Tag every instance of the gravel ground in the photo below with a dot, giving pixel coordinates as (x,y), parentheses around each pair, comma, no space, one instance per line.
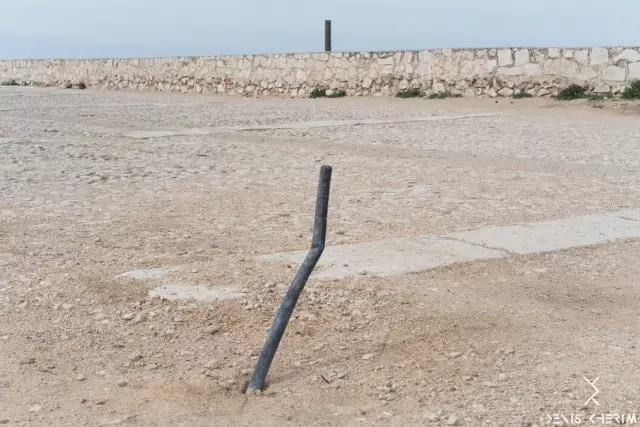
(501,342)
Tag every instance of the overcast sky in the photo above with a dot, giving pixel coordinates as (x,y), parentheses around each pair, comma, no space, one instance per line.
(121,28)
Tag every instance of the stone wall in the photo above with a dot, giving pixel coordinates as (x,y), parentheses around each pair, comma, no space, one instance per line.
(470,72)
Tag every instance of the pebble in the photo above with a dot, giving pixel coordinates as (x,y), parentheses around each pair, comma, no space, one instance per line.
(28,361)
(502,377)
(455,355)
(490,384)
(122,383)
(362,272)
(137,319)
(513,399)
(81,377)
(213,364)
(135,357)
(368,356)
(128,316)
(35,408)
(4,421)
(452,420)
(212,329)
(67,306)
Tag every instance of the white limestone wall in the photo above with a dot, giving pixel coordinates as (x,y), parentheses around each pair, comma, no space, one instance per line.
(470,72)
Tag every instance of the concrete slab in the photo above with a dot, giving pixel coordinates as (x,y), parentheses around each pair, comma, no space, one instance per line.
(181,291)
(630,214)
(554,235)
(390,256)
(341,123)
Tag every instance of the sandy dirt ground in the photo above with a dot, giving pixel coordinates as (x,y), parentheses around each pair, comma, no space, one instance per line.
(506,342)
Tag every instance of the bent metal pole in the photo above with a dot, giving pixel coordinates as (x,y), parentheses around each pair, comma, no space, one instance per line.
(291,298)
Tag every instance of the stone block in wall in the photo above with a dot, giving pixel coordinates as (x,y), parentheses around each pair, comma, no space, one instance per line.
(466,68)
(634,70)
(521,57)
(321,56)
(532,70)
(630,55)
(615,74)
(599,55)
(510,71)
(424,56)
(587,73)
(386,70)
(505,57)
(385,60)
(554,52)
(560,67)
(582,56)
(301,76)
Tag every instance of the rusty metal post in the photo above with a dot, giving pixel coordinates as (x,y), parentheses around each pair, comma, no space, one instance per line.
(291,298)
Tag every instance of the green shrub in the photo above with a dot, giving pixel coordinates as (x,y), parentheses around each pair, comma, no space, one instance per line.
(521,95)
(11,82)
(82,86)
(68,86)
(444,95)
(410,93)
(570,92)
(338,94)
(322,93)
(632,91)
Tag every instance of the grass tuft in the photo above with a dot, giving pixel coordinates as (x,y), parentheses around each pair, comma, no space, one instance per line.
(570,92)
(522,95)
(632,91)
(410,93)
(322,93)
(444,95)
(338,94)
